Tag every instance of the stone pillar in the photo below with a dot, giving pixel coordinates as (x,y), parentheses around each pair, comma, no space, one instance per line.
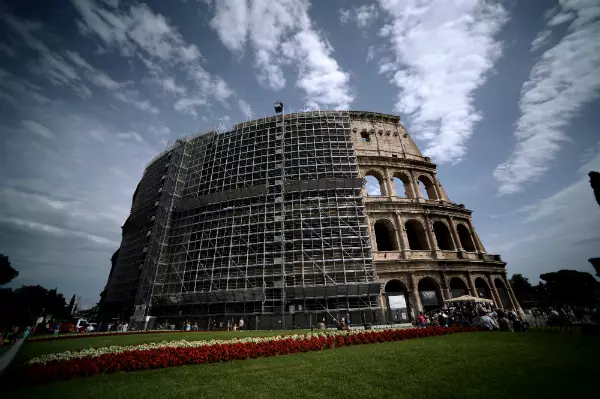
(389,185)
(437,185)
(446,287)
(457,242)
(418,307)
(415,186)
(512,296)
(472,287)
(495,293)
(476,242)
(401,233)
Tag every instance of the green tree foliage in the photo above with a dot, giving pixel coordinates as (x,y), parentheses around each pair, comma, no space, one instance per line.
(568,286)
(595,183)
(521,287)
(25,304)
(7,273)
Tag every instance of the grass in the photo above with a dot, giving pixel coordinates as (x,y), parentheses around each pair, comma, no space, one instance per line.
(34,349)
(470,365)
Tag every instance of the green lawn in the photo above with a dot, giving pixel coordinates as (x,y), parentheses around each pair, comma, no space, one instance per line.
(34,349)
(469,365)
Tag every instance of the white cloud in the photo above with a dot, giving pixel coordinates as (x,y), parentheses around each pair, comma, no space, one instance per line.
(344,15)
(566,77)
(231,23)
(137,31)
(38,129)
(281,33)
(245,108)
(364,15)
(130,136)
(540,40)
(443,52)
(370,53)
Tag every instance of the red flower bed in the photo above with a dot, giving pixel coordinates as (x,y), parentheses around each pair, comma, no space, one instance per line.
(168,357)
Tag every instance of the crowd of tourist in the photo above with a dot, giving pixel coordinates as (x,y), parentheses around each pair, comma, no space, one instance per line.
(473,314)
(572,313)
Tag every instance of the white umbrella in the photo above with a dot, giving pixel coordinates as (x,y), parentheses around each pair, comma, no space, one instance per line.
(468,298)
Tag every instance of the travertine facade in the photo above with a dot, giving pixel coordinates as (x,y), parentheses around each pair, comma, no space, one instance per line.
(421,240)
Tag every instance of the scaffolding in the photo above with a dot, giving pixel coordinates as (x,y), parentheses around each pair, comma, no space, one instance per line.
(264,221)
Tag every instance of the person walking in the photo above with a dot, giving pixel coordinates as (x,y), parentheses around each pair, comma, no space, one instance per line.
(421,320)
(56,330)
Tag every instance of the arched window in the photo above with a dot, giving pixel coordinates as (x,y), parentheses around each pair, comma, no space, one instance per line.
(395,286)
(458,287)
(483,290)
(373,185)
(417,239)
(385,236)
(466,241)
(429,291)
(442,235)
(402,186)
(427,188)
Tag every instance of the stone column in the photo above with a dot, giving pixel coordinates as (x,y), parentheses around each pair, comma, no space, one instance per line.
(457,242)
(415,186)
(472,287)
(512,296)
(401,233)
(495,293)
(446,287)
(436,184)
(389,185)
(476,242)
(418,307)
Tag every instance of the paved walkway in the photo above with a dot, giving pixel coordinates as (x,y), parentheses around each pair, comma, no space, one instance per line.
(8,355)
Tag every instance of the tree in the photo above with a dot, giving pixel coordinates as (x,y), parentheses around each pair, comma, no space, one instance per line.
(7,273)
(595,183)
(521,287)
(570,286)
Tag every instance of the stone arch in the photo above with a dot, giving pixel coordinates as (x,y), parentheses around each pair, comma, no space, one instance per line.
(443,236)
(402,186)
(416,235)
(465,237)
(458,287)
(385,235)
(427,187)
(502,293)
(397,300)
(483,288)
(375,183)
(430,293)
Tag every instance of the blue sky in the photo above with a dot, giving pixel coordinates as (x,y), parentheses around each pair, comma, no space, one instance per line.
(503,95)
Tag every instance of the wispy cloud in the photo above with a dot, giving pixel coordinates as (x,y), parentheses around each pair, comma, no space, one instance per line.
(137,31)
(444,50)
(282,33)
(245,108)
(38,129)
(363,15)
(566,77)
(130,136)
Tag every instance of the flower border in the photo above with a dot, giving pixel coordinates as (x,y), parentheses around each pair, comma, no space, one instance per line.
(109,360)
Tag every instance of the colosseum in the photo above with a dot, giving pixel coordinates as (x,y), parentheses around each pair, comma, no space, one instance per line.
(293,218)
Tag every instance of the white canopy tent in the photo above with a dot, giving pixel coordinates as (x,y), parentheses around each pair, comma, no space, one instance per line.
(468,298)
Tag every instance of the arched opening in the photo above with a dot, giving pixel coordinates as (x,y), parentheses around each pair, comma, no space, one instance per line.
(429,291)
(385,236)
(373,185)
(483,290)
(466,241)
(396,295)
(458,287)
(417,239)
(402,185)
(443,237)
(502,293)
(427,188)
